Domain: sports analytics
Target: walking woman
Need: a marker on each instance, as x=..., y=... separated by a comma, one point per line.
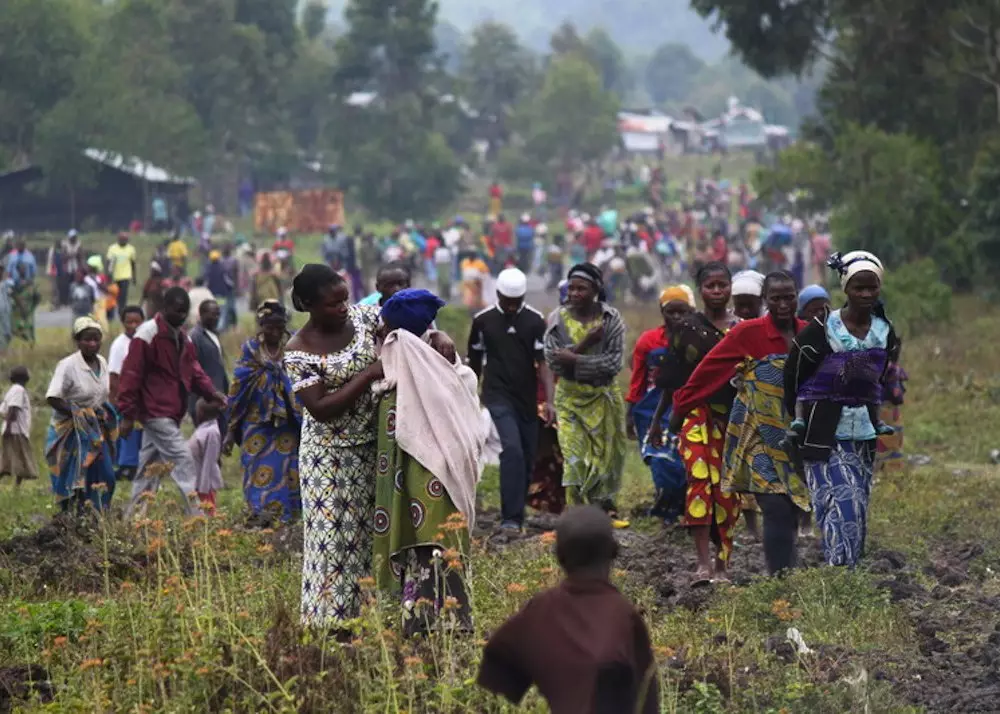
x=651, y=355
x=835, y=378
x=80, y=448
x=755, y=352
x=432, y=433
x=584, y=348
x=332, y=363
x=264, y=420
x=24, y=300
x=710, y=511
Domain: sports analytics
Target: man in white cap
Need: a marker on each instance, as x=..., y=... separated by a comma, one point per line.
x=508, y=339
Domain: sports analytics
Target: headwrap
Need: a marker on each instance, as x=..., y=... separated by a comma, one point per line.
x=271, y=311
x=155, y=267
x=748, y=282
x=412, y=310
x=512, y=283
x=677, y=292
x=215, y=255
x=96, y=263
x=810, y=293
x=592, y=274
x=857, y=261
x=82, y=324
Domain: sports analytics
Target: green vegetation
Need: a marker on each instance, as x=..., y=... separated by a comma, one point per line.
x=167, y=615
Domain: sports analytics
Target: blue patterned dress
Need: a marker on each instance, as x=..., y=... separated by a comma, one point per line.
x=265, y=419
x=337, y=470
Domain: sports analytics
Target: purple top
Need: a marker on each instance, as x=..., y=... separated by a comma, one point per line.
x=848, y=378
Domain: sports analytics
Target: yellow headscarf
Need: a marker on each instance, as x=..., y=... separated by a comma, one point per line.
x=677, y=292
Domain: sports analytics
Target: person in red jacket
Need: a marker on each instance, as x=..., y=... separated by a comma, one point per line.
x=502, y=240
x=159, y=373
x=755, y=351
x=593, y=236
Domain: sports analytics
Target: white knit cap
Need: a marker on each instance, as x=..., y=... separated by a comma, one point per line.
x=859, y=261
x=748, y=282
x=512, y=283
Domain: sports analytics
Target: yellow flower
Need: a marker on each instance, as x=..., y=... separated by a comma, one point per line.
x=366, y=583
x=223, y=533
x=413, y=661
x=265, y=549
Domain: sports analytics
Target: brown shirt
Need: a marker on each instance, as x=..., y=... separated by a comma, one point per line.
x=584, y=646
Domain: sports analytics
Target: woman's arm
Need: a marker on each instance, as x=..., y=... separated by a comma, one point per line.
x=712, y=373
x=607, y=364
x=326, y=406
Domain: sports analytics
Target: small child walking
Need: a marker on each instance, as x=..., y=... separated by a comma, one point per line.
x=16, y=456
x=206, y=449
x=581, y=643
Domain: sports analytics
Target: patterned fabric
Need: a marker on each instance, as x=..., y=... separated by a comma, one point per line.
x=264, y=418
x=80, y=452
x=24, y=299
x=856, y=422
x=665, y=464
x=850, y=378
x=755, y=462
x=707, y=502
x=841, y=488
x=337, y=471
x=418, y=531
x=546, y=492
x=591, y=431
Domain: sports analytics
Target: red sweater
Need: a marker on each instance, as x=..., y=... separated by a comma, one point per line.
x=753, y=339
x=643, y=378
x=156, y=381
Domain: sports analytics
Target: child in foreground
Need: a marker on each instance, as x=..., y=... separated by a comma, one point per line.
x=16, y=456
x=582, y=643
x=206, y=450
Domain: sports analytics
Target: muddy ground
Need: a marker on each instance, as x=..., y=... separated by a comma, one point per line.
x=955, y=668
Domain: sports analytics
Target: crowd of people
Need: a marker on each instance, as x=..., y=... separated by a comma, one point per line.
x=366, y=425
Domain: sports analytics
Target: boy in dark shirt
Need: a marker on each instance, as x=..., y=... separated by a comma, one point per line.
x=582, y=643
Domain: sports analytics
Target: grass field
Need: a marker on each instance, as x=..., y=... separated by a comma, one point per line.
x=172, y=616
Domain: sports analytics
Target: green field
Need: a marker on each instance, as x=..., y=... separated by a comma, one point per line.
x=173, y=616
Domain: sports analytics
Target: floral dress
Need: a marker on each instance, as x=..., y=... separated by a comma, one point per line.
x=337, y=478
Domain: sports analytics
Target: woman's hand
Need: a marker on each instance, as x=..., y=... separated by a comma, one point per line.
x=227, y=446
x=374, y=372
x=655, y=434
x=565, y=356
x=443, y=345
x=676, y=423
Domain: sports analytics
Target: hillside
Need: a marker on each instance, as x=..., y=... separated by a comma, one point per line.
x=638, y=26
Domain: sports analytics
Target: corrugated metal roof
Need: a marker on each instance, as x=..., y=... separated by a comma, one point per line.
x=137, y=167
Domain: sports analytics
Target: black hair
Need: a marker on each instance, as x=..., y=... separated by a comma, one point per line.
x=19, y=375
x=132, y=310
x=713, y=266
x=584, y=539
x=199, y=282
x=205, y=304
x=390, y=267
x=177, y=296
x=777, y=276
x=310, y=282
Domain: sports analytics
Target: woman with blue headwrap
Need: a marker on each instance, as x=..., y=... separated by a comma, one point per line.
x=427, y=466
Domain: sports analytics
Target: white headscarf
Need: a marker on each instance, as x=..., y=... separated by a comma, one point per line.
x=857, y=261
x=748, y=282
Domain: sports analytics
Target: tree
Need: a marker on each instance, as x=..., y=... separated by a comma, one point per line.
x=670, y=73
x=314, y=19
x=497, y=72
x=608, y=60
x=566, y=40
x=40, y=45
x=572, y=120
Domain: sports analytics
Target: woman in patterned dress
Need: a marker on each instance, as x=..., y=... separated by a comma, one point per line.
x=332, y=363
x=264, y=418
x=584, y=347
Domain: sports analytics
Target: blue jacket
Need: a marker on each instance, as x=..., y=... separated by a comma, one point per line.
x=525, y=234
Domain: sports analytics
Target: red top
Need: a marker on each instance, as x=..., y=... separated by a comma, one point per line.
x=642, y=377
x=593, y=236
x=750, y=339
x=496, y=191
x=502, y=235
x=155, y=381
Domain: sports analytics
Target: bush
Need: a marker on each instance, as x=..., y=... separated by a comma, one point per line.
x=916, y=297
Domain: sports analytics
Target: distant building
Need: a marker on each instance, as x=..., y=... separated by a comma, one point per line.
x=121, y=191
x=646, y=133
x=742, y=128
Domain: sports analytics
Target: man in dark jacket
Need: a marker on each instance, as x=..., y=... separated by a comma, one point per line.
x=159, y=373
x=208, y=349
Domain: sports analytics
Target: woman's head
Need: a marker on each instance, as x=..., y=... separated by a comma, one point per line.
x=748, y=300
x=814, y=302
x=780, y=296
x=265, y=262
x=585, y=285
x=88, y=333
x=676, y=302
x=272, y=322
x=715, y=284
x=321, y=292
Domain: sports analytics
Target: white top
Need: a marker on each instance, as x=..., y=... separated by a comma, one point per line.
x=198, y=295
x=17, y=396
x=442, y=256
x=206, y=445
x=76, y=382
x=118, y=353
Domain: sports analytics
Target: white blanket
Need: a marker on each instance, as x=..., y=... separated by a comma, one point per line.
x=439, y=421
